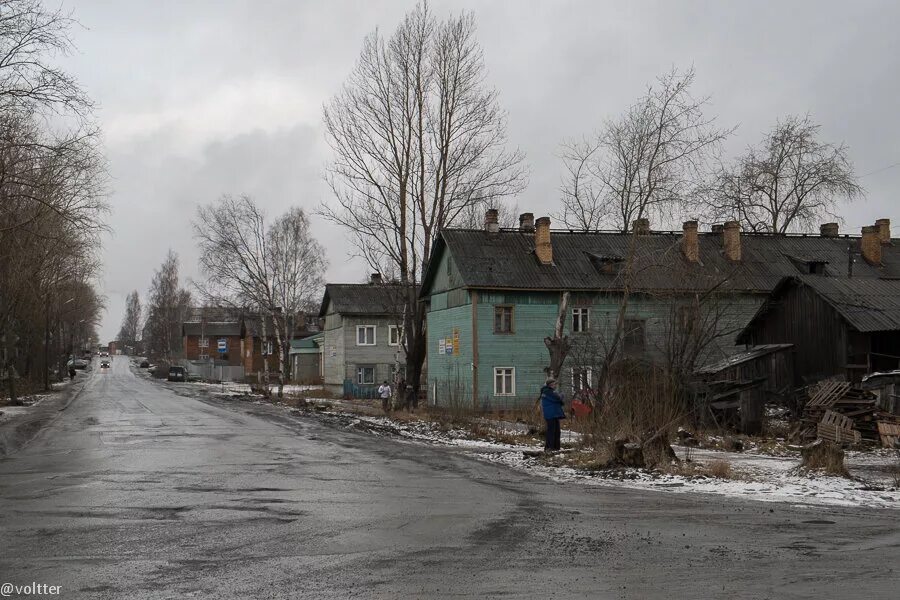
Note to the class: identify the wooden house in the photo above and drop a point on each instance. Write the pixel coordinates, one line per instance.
(362, 344)
(494, 294)
(840, 327)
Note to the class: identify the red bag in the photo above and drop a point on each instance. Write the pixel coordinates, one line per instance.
(580, 409)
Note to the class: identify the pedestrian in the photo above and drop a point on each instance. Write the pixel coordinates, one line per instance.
(552, 407)
(384, 392)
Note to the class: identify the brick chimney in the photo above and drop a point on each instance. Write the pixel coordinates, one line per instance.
(526, 222)
(492, 220)
(870, 245)
(690, 244)
(884, 230)
(542, 246)
(829, 230)
(732, 240)
(375, 279)
(641, 226)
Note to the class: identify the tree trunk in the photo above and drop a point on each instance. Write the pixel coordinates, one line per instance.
(559, 345)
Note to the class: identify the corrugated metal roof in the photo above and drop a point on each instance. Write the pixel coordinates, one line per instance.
(506, 259)
(363, 299)
(866, 304)
(742, 357)
(307, 345)
(213, 329)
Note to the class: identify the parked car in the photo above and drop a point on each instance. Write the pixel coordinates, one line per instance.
(145, 364)
(80, 364)
(177, 374)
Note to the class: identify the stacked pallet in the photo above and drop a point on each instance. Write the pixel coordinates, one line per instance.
(841, 413)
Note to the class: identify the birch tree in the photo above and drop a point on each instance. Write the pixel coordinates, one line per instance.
(646, 163)
(790, 180)
(418, 139)
(276, 268)
(131, 322)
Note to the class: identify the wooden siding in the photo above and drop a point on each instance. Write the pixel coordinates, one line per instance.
(450, 376)
(819, 335)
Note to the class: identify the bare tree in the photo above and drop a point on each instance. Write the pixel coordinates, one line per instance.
(790, 180)
(418, 139)
(298, 265)
(168, 306)
(246, 262)
(643, 164)
(30, 36)
(131, 322)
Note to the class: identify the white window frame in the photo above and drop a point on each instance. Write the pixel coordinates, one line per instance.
(590, 377)
(512, 379)
(584, 320)
(359, 374)
(374, 335)
(392, 331)
(203, 342)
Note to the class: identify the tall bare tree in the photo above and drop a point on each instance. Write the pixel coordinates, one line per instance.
(643, 164)
(298, 265)
(419, 138)
(131, 322)
(277, 269)
(790, 180)
(167, 308)
(52, 185)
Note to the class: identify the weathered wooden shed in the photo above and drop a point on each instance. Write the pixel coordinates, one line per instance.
(744, 382)
(843, 327)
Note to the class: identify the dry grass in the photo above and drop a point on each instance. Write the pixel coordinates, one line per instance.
(720, 469)
(824, 456)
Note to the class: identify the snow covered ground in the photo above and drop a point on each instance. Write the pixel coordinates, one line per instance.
(755, 476)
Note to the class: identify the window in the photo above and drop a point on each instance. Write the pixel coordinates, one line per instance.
(634, 335)
(395, 332)
(365, 375)
(581, 379)
(266, 348)
(504, 381)
(503, 319)
(204, 342)
(581, 320)
(365, 335)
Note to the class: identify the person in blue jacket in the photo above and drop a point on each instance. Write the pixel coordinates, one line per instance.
(552, 407)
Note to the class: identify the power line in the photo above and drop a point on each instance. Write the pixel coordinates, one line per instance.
(896, 164)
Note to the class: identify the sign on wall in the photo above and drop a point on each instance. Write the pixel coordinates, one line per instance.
(223, 345)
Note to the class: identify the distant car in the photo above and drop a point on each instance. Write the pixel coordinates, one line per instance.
(104, 355)
(104, 364)
(145, 364)
(177, 374)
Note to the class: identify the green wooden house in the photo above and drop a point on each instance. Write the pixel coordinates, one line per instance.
(493, 295)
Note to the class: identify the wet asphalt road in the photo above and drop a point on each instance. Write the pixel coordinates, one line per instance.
(135, 492)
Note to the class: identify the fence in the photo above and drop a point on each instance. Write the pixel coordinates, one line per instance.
(212, 372)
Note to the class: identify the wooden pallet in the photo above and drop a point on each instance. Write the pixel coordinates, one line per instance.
(828, 393)
(889, 434)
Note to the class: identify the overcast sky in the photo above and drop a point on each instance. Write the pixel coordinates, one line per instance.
(198, 98)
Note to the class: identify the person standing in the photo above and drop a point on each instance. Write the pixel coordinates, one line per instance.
(552, 407)
(384, 392)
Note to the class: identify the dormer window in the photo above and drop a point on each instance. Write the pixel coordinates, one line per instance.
(809, 266)
(606, 263)
(815, 267)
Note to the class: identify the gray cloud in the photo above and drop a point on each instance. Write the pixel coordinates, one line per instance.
(203, 98)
